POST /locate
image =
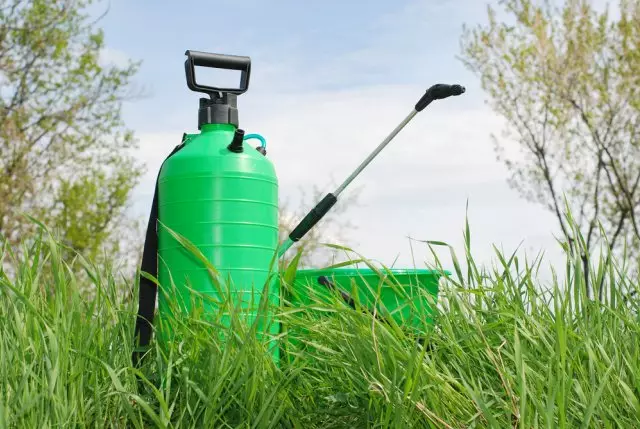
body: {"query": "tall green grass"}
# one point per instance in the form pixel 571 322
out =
pixel 504 352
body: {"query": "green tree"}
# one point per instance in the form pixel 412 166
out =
pixel 567 81
pixel 65 154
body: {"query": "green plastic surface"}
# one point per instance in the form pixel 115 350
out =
pixel 226 204
pixel 407 296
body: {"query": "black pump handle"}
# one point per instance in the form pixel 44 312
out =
pixel 220 61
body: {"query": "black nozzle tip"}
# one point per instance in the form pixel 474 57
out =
pixel 438 91
pixel 441 91
pixel 457 89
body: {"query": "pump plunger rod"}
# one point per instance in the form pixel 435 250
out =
pixel 436 92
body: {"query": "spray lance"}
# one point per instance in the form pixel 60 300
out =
pixel 436 92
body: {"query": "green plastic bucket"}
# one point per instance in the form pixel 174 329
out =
pixel 408 296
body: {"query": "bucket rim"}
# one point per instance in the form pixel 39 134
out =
pixel 342 271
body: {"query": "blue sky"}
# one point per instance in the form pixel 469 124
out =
pixel 295 46
pixel 329 81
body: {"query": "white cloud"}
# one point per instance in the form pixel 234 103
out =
pixel 115 57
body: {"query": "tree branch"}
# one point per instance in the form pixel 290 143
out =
pixel 620 182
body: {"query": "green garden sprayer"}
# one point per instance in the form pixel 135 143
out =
pixel 221 194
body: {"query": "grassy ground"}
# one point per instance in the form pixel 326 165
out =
pixel 504 353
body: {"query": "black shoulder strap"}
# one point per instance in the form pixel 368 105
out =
pixel 147 291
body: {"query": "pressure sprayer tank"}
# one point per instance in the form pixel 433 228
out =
pixel 221 194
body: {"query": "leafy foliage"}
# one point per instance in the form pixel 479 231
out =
pixel 566 80
pixel 64 151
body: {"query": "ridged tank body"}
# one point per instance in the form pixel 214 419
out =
pixel 226 204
